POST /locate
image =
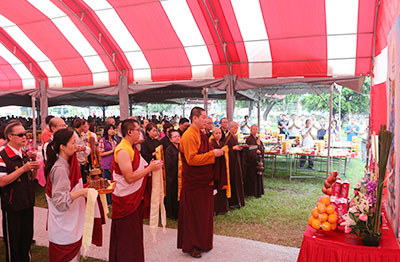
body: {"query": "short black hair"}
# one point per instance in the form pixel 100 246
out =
pixel 196 111
pixel 183 120
pixel 149 127
pixel 128 124
pixel 171 131
pixel 48 118
pixel 220 121
pixel 78 122
pixel 166 126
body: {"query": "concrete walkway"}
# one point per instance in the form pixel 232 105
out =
pixel 229 249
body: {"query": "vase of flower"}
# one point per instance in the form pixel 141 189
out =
pixel 371 241
pixel 364 216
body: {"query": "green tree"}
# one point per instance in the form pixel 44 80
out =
pixel 351 102
pixel 268 102
pixel 159 107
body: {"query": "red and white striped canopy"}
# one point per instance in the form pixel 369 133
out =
pixel 71 43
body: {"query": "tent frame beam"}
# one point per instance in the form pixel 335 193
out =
pixel 374 36
pixel 120 71
pixel 32 63
pixel 222 41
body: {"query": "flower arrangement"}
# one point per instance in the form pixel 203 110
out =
pixel 362 209
pixel 365 209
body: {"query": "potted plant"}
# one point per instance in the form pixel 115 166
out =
pixel 364 216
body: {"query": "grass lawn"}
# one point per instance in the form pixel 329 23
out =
pixel 280 216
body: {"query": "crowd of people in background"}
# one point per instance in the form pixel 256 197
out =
pixel 292 126
pixel 94 143
pixel 91 146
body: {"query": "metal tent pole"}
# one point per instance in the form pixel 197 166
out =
pixel 329 130
pixel 43 104
pixel 230 97
pixel 34 121
pixel 104 112
pixel 205 99
pixel 258 109
pixel 123 97
pixel 130 107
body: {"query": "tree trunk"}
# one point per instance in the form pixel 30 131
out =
pixel 270 105
pixel 251 106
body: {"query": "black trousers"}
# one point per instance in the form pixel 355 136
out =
pixel 84 173
pixel 18 234
pixel 310 161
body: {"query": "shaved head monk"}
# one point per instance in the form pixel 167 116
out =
pixel 130 174
pixel 196 210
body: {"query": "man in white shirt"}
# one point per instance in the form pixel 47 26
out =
pixel 245 126
pixel 17 172
pixel 308 142
pixel 86 133
pixel 315 126
pixel 294 127
pixel 83 150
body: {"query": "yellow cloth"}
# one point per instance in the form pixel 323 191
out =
pixel 103 200
pixel 124 145
pixel 157 198
pixel 228 186
pixel 189 146
pixel 179 176
pixel 89 219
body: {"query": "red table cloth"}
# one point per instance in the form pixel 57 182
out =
pixel 340 247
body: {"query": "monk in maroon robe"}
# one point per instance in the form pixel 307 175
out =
pixel 235 167
pixel 221 204
pixel 253 182
pixel 196 210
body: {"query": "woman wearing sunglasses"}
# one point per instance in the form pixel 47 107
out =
pixel 65 197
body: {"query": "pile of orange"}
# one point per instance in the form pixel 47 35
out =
pixel 324 215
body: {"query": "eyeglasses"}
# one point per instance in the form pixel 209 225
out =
pixel 19 135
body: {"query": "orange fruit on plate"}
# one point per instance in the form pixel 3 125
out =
pixel 321 208
pixel 333 226
pixel 325 200
pixel 332 218
pixel 315 213
pixel 326 226
pixel 316 224
pixel 323 217
pixel 310 220
pixel 330 209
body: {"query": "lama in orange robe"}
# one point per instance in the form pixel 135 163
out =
pixel 195 221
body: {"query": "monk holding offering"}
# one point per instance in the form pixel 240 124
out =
pixel 130 174
pixel 196 210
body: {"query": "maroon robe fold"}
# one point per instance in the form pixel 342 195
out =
pixel 196 209
pixel 235 173
pixel 253 183
pixel 126 237
pixel 221 204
